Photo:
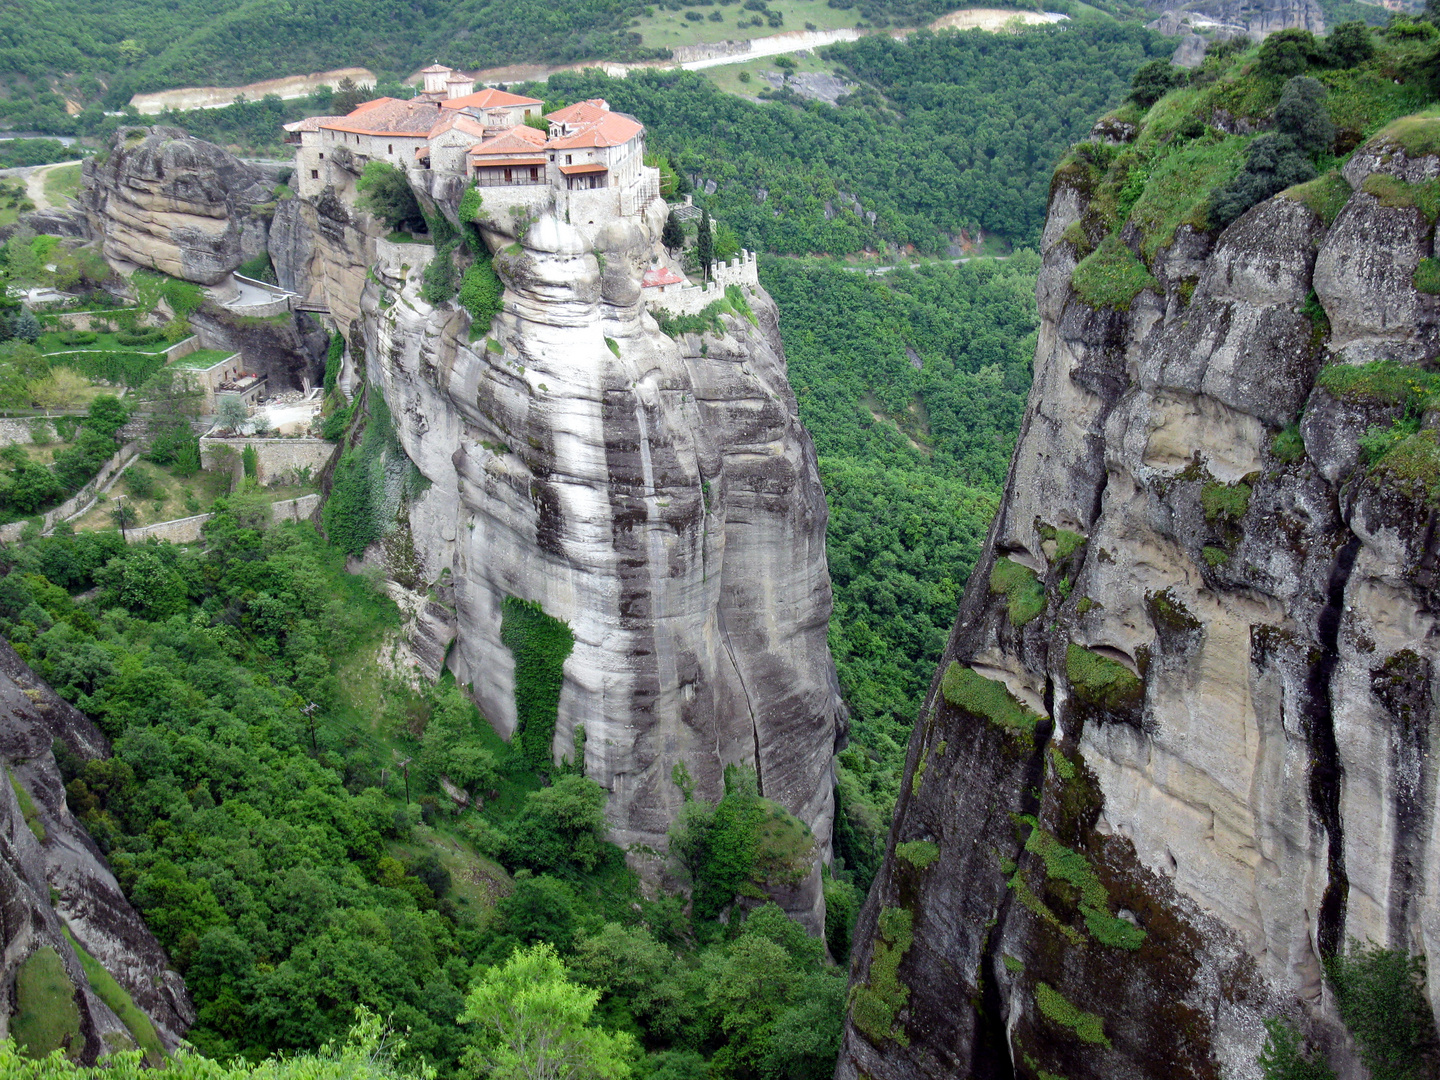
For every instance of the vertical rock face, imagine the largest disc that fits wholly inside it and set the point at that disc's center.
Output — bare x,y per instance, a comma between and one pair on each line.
53,879
1184,742
170,202
658,495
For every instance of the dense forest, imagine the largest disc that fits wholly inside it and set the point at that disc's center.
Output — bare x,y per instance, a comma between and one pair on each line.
260,812
912,384
942,135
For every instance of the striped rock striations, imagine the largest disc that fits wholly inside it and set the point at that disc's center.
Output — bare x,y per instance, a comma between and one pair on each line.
1183,744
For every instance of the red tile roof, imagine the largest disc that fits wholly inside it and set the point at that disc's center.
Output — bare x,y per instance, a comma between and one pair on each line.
580,170
516,140
458,122
613,129
489,98
661,275
582,112
389,116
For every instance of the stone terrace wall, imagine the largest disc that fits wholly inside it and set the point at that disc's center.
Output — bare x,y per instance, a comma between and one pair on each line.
187,530
278,461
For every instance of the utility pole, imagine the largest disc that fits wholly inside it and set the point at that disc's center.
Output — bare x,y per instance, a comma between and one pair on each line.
309,711
405,768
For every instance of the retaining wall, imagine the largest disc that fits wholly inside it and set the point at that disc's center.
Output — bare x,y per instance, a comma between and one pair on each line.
278,461
415,256
188,530
82,500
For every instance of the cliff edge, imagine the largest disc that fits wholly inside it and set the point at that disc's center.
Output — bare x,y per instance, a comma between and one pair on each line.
1181,747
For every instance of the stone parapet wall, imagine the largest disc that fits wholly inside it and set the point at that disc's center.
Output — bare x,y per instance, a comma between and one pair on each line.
188,530
415,256
278,461
82,500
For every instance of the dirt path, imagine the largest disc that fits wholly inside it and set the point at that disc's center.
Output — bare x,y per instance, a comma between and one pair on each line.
35,184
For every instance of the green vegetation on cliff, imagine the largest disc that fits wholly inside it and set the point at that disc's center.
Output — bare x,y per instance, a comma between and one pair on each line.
304,830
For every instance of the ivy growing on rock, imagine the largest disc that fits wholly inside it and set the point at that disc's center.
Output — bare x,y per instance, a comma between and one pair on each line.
540,644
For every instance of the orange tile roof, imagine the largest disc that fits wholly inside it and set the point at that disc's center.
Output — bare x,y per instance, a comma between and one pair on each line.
577,170
516,140
370,104
615,129
489,98
581,112
433,68
389,116
458,122
662,275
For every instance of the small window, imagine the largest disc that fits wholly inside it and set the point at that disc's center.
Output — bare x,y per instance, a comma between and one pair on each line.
569,159
534,172
314,174
322,155
390,148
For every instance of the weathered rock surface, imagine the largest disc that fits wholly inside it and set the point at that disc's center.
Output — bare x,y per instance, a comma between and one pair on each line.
1198,22
1231,685
657,495
61,882
165,200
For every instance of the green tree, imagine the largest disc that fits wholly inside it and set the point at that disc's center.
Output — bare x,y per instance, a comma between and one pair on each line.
673,235
385,192
705,245
562,825
1153,80
532,1023
1301,114
1350,44
1289,52
231,411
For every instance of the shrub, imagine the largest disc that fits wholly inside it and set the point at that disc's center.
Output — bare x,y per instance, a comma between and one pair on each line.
1427,276
1099,681
1289,52
438,284
1281,1058
1153,80
986,698
481,291
1289,446
1225,501
1054,1006
1022,589
385,192
1380,993
1111,276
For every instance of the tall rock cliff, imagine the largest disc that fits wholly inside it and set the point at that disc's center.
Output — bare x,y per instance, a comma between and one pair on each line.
57,895
657,495
1183,742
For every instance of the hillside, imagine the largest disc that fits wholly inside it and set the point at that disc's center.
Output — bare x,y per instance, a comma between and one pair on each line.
1169,810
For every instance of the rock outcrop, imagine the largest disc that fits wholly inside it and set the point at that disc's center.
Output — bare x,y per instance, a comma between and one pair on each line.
170,202
55,887
1184,745
657,495
1198,22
